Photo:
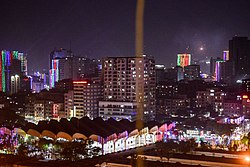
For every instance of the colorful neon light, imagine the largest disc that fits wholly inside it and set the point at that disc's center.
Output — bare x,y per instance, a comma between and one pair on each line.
3,71
54,72
15,55
183,60
51,78
1,85
218,70
5,63
80,82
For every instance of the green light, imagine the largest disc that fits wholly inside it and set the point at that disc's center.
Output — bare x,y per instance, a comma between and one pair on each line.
3,71
15,54
178,60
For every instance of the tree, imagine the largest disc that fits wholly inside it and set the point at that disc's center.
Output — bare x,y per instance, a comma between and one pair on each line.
22,150
246,140
74,151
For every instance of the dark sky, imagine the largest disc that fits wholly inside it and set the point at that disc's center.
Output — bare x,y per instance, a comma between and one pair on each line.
98,28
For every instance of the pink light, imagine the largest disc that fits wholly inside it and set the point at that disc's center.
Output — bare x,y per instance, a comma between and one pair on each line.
80,82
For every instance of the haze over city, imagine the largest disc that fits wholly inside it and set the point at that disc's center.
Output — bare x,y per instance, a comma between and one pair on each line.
129,83
107,28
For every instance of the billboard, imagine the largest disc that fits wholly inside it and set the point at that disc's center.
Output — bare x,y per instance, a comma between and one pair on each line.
183,60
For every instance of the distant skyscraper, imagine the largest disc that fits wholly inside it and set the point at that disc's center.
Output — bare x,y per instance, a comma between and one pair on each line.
12,64
246,86
225,55
213,65
183,60
160,73
62,68
192,72
239,54
38,82
64,65
180,73
119,77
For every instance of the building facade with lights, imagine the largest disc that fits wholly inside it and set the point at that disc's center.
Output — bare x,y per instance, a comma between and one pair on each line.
86,95
183,59
13,67
239,54
64,65
213,97
119,78
192,72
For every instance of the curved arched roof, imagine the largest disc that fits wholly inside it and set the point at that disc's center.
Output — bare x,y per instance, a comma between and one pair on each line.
79,136
123,135
34,132
112,137
64,136
163,128
48,133
97,128
96,138
20,132
153,129
133,133
5,130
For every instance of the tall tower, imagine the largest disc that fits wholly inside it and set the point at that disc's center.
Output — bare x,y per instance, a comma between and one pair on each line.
239,54
121,83
12,64
183,60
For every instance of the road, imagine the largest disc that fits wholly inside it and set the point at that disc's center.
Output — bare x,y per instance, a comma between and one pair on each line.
192,162
213,154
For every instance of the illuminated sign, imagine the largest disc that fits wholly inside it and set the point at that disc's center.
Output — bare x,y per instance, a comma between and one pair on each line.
183,60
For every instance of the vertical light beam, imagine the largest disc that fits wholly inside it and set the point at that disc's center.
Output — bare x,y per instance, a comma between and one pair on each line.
139,70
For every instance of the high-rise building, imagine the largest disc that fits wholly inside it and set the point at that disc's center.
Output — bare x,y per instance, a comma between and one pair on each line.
213,97
119,78
226,69
64,65
213,65
183,60
239,54
62,68
225,55
192,72
12,64
15,84
38,82
86,68
68,104
246,86
86,95
160,73
180,73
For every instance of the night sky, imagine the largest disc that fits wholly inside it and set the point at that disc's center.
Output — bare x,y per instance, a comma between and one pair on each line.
98,28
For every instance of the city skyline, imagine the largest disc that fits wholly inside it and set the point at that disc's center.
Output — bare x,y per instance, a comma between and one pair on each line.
99,29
